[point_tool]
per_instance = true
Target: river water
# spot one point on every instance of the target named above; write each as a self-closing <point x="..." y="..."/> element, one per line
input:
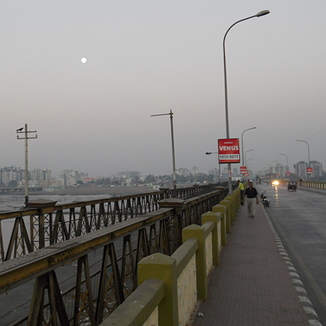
<point x="16" y="202"/>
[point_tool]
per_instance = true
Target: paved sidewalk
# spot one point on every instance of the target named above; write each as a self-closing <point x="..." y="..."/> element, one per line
<point x="252" y="285"/>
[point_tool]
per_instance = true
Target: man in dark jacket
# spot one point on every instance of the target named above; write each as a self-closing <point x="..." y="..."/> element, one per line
<point x="252" y="195"/>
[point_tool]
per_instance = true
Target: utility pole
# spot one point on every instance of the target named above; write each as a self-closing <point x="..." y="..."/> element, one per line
<point x="26" y="132"/>
<point x="173" y="152"/>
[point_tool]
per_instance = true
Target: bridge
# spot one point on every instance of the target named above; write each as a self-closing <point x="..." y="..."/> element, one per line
<point x="19" y="189"/>
<point x="86" y="262"/>
<point x="95" y="244"/>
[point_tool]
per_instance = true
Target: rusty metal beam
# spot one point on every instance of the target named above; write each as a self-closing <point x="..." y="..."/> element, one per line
<point x="21" y="269"/>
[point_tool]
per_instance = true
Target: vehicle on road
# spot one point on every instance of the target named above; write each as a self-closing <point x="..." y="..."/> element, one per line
<point x="264" y="199"/>
<point x="292" y="185"/>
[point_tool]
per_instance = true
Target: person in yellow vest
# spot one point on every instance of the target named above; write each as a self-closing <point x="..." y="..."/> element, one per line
<point x="241" y="187"/>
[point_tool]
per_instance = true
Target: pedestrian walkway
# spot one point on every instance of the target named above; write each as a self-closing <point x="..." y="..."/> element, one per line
<point x="255" y="283"/>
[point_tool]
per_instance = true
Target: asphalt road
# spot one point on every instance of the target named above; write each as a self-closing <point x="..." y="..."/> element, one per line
<point x="299" y="218"/>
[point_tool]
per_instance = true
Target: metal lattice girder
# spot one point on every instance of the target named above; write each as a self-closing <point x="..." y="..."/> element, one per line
<point x="47" y="282"/>
<point x="80" y="218"/>
<point x="16" y="238"/>
<point x="85" y="302"/>
<point x="36" y="263"/>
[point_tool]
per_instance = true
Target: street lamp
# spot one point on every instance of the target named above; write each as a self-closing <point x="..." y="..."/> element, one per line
<point x="172" y="141"/>
<point x="287" y="161"/>
<point x="277" y="168"/>
<point x="243" y="162"/>
<point x="303" y="141"/>
<point x="260" y="14"/>
<point x="219" y="166"/>
<point x="250" y="150"/>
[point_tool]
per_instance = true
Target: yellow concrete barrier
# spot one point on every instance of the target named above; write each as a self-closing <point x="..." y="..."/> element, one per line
<point x="169" y="287"/>
<point x="216" y="218"/>
<point x="227" y="204"/>
<point x="141" y="306"/>
<point x="221" y="209"/>
<point x="162" y="267"/>
<point x="232" y="207"/>
<point x="197" y="232"/>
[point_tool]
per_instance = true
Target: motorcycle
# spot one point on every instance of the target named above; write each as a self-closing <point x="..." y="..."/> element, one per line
<point x="264" y="199"/>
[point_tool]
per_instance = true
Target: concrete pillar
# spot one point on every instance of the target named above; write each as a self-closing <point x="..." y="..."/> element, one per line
<point x="216" y="235"/>
<point x="221" y="209"/>
<point x="233" y="207"/>
<point x="227" y="204"/>
<point x="236" y="194"/>
<point x="177" y="205"/>
<point x="162" y="267"/>
<point x="195" y="231"/>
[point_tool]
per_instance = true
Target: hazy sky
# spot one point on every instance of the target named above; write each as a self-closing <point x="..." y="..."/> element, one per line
<point x="147" y="57"/>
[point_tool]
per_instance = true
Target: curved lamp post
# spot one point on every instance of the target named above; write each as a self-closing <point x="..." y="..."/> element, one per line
<point x="303" y="141"/>
<point x="260" y="14"/>
<point x="277" y="167"/>
<point x="243" y="162"/>
<point x="249" y="150"/>
<point x="219" y="166"/>
<point x="287" y="161"/>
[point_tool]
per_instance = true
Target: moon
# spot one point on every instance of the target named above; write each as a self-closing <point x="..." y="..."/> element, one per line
<point x="83" y="60"/>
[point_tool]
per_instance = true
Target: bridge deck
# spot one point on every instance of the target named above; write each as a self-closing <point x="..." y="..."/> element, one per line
<point x="253" y="285"/>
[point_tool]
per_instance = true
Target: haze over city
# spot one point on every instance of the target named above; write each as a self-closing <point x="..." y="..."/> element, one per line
<point x="150" y="57"/>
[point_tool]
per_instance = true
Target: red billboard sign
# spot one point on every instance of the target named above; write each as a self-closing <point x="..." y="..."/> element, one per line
<point x="228" y="150"/>
<point x="309" y="170"/>
<point x="243" y="170"/>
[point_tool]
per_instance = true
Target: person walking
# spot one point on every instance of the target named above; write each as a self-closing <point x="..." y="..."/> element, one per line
<point x="252" y="195"/>
<point x="241" y="187"/>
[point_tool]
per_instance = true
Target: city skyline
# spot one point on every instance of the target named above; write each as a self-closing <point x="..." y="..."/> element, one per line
<point x="299" y="169"/>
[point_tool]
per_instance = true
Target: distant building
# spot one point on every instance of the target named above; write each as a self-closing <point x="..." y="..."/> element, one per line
<point x="183" y="171"/>
<point x="317" y="169"/>
<point x="235" y="172"/>
<point x="11" y="176"/>
<point x="215" y="173"/>
<point x="301" y="169"/>
<point x="129" y="174"/>
<point x="279" y="170"/>
<point x="40" y="176"/>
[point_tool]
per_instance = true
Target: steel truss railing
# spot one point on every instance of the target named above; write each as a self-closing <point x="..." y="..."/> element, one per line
<point x="46" y="224"/>
<point x="102" y="264"/>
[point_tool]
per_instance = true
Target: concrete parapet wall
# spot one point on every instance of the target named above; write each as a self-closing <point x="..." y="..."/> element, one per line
<point x="227" y="205"/>
<point x="209" y="253"/>
<point x="221" y="210"/>
<point x="233" y="207"/>
<point x="184" y="275"/>
<point x="216" y="235"/>
<point x="185" y="258"/>
<point x="141" y="307"/>
<point x="187" y="291"/>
